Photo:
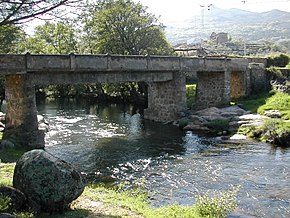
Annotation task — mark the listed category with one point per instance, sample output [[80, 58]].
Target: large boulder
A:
[[49, 183]]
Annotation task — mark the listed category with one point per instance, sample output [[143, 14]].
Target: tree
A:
[[53, 38], [19, 11], [123, 27], [10, 37]]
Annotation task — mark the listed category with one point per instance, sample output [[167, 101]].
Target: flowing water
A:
[[114, 140]]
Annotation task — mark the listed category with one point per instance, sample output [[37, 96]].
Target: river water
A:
[[114, 140]]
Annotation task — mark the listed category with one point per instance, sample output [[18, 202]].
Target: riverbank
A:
[[264, 117], [125, 200]]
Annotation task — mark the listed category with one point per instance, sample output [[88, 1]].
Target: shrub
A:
[[276, 73], [278, 61], [219, 124], [277, 132], [218, 206]]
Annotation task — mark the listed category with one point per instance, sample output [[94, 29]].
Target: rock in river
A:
[[49, 183]]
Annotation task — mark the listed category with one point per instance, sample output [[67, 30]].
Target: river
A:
[[115, 140]]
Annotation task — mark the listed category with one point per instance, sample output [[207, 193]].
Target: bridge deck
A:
[[21, 64]]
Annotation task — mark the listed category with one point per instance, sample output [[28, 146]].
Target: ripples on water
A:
[[176, 166]]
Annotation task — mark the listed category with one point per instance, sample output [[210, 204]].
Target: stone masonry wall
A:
[[166, 99], [21, 117], [259, 78], [213, 89]]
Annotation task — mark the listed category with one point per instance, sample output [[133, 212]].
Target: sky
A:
[[176, 10]]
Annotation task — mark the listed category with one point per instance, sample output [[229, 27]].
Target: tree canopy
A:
[[10, 38], [53, 38], [123, 27], [18, 11]]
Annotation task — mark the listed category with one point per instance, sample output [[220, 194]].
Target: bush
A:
[[218, 206], [277, 132], [278, 61]]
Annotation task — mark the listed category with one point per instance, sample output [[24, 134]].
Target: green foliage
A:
[[219, 124], [6, 174], [253, 102], [10, 37], [52, 38], [217, 206], [174, 211], [137, 201], [278, 61], [250, 131], [276, 72], [279, 101], [123, 27], [190, 95], [4, 203], [134, 198], [274, 129]]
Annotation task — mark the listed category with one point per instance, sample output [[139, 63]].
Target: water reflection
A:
[[116, 141]]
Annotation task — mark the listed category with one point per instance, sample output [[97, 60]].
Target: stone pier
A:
[[213, 89], [166, 99], [21, 125]]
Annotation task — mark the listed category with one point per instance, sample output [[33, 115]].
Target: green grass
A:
[[273, 130], [278, 101], [135, 202], [4, 203], [253, 102], [6, 173]]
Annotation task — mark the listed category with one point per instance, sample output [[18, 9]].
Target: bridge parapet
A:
[[11, 64]]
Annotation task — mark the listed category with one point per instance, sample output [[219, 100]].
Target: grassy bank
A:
[[119, 201], [275, 130]]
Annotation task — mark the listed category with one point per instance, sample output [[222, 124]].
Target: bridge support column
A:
[[21, 114], [213, 89], [166, 99]]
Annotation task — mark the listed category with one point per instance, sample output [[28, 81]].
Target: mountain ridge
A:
[[242, 24]]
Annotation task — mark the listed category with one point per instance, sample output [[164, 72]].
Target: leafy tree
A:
[[53, 38], [10, 37], [19, 11], [123, 27]]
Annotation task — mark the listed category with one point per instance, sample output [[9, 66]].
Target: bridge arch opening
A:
[[125, 92]]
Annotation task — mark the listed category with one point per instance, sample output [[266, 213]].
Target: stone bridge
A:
[[218, 80]]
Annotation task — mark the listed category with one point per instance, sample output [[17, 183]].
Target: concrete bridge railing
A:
[[165, 75]]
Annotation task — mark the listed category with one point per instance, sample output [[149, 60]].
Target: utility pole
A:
[[202, 34]]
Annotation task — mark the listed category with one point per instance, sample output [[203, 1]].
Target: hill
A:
[[239, 24]]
